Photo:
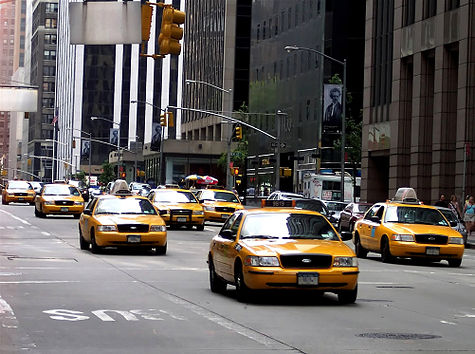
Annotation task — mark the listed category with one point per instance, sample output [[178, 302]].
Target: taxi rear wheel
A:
[[455, 262], [242, 291], [82, 242], [361, 252], [348, 296], [386, 255], [216, 284]]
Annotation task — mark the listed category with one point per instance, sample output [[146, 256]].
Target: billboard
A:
[[85, 149], [156, 137], [114, 136], [332, 108]]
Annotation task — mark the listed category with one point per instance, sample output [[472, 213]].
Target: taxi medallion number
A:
[[181, 219], [64, 209], [432, 251], [306, 279], [133, 238]]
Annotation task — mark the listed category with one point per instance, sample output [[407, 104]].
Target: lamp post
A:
[[291, 48], [228, 150], [277, 149], [118, 140]]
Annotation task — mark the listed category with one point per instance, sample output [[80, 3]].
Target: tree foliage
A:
[[107, 174], [80, 176]]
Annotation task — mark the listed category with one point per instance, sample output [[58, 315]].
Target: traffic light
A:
[[163, 119], [147, 12], [285, 172], [170, 32], [235, 171], [123, 174], [238, 132], [171, 120]]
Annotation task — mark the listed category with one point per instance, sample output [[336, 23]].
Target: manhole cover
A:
[[403, 336]]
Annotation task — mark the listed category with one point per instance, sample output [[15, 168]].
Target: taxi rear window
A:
[[125, 206], [287, 226], [412, 215]]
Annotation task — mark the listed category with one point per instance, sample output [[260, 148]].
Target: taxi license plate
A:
[[224, 216], [133, 238], [21, 199], [181, 219], [432, 251], [64, 209], [307, 278]]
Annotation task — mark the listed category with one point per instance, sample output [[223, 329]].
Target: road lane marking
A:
[[45, 233], [40, 282], [448, 322], [147, 314], [9, 322], [16, 217]]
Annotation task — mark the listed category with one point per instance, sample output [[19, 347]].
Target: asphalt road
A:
[[55, 298]]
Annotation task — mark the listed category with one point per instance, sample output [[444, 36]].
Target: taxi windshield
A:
[[287, 226], [175, 197], [219, 196], [125, 206], [18, 185], [413, 215], [60, 190]]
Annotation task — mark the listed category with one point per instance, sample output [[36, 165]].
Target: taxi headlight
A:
[[49, 202], [208, 207], [198, 212], [78, 203], [456, 240], [158, 228], [106, 228], [345, 262], [256, 261], [403, 237]]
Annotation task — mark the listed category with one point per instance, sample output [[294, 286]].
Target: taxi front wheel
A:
[[82, 242], [161, 250], [455, 262], [94, 247], [242, 291], [200, 227], [348, 296], [386, 255]]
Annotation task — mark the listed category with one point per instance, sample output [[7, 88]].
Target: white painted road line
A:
[[40, 282], [16, 217], [45, 233]]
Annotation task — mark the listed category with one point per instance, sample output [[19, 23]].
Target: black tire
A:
[[82, 242], [360, 251], [454, 263], [348, 296], [161, 250], [39, 214], [200, 227], [32, 203], [4, 202], [216, 284], [242, 291], [386, 256], [77, 216], [94, 247]]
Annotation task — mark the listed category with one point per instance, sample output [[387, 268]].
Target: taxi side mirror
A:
[[227, 234], [375, 218], [453, 223], [346, 235], [87, 211], [201, 201]]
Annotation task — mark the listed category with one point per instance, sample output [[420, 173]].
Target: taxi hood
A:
[[290, 246], [129, 219], [421, 229], [193, 206]]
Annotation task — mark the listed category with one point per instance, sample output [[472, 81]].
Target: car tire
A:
[[360, 251], [386, 256], [77, 216], [32, 203], [454, 263], [4, 202], [82, 242], [94, 247], [216, 284], [161, 250], [200, 227], [348, 296], [39, 214], [242, 291]]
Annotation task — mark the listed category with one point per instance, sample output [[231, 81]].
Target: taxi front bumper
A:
[[149, 239], [332, 280], [62, 209], [412, 249], [183, 219], [11, 198]]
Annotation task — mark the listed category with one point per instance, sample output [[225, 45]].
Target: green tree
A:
[[107, 174], [80, 176]]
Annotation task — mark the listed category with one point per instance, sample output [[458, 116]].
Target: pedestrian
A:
[[442, 202], [454, 205], [469, 215]]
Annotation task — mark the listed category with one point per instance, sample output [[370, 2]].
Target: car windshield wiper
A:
[[107, 213], [260, 236]]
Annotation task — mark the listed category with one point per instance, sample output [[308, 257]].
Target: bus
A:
[[328, 187]]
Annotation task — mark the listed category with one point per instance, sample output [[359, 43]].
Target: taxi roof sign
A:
[[120, 187], [406, 195], [273, 203]]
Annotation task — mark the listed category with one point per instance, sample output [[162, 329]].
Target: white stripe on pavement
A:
[[15, 217]]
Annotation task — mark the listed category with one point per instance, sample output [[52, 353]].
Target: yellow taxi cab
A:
[[121, 219], [406, 228], [282, 248], [178, 207], [218, 204], [18, 192], [59, 199]]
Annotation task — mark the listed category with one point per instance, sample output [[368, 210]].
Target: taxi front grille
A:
[[21, 194], [315, 261], [432, 239], [179, 212], [224, 210], [64, 202], [133, 228]]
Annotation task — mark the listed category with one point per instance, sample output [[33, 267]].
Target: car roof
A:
[[218, 190], [160, 190], [278, 210], [115, 196], [399, 204]]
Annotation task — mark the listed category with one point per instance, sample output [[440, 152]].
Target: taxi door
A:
[[367, 229], [225, 250], [85, 220]]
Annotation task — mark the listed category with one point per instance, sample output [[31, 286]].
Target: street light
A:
[[118, 140], [291, 48], [228, 152]]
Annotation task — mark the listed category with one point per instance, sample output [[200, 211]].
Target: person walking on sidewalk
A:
[[454, 205], [469, 215]]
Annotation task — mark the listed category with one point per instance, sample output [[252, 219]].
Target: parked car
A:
[[455, 222], [350, 214], [336, 208]]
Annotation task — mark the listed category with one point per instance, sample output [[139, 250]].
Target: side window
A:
[[380, 213], [235, 225], [372, 212], [227, 225], [92, 203]]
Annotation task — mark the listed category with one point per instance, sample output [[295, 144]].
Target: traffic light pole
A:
[[277, 152], [228, 152]]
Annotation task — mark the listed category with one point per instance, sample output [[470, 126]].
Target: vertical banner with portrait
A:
[[114, 136], [156, 137], [332, 108], [85, 149]]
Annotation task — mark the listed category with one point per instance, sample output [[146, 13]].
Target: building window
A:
[[49, 70], [50, 7], [451, 4], [270, 28], [276, 27], [289, 18], [296, 15], [49, 55], [258, 32], [48, 102], [430, 8], [50, 23], [408, 12], [50, 39], [264, 30], [282, 20]]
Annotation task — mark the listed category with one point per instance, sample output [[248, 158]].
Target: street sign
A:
[[273, 144]]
